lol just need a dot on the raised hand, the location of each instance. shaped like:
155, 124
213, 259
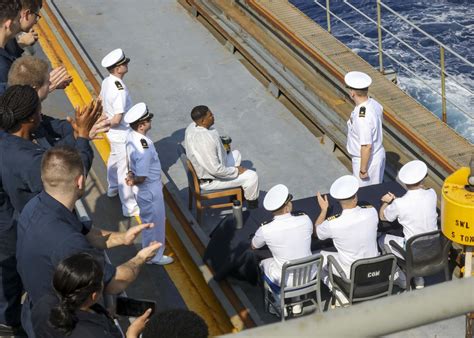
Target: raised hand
322, 201
132, 233
59, 78
101, 126
150, 251
85, 118
28, 39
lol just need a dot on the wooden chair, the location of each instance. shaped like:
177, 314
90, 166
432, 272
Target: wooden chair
205, 195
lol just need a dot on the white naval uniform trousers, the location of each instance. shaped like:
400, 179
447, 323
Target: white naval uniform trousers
144, 161
366, 128
116, 100
415, 211
210, 160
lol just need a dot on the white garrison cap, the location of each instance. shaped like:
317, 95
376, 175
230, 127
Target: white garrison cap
357, 80
138, 112
276, 197
413, 172
114, 58
344, 187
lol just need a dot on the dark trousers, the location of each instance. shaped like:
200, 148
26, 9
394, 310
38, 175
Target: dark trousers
10, 282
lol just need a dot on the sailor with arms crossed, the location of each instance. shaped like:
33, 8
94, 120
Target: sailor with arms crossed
364, 131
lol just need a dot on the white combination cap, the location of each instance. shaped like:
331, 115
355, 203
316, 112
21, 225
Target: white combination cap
357, 80
344, 187
276, 197
138, 112
413, 172
114, 58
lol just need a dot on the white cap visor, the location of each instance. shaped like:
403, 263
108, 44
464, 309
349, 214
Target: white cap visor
413, 172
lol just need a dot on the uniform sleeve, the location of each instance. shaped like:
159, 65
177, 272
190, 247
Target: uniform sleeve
391, 212
4, 68
86, 152
142, 158
258, 241
32, 176
323, 230
119, 102
205, 151
13, 48
364, 130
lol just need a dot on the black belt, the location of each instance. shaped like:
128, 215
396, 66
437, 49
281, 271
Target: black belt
205, 180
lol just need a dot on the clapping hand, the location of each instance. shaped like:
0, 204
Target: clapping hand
59, 78
102, 125
28, 39
322, 201
388, 197
150, 251
132, 233
85, 118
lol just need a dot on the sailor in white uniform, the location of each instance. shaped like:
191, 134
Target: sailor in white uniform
364, 134
288, 235
117, 101
215, 168
145, 178
415, 211
354, 231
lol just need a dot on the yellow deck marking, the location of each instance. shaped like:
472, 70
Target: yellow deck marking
185, 275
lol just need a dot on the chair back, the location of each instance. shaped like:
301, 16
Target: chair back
372, 277
193, 181
298, 276
427, 253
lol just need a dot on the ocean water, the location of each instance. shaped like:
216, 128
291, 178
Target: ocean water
449, 21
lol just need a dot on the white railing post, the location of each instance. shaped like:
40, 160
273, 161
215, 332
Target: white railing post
379, 32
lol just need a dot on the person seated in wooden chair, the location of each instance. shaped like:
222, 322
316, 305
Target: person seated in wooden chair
215, 168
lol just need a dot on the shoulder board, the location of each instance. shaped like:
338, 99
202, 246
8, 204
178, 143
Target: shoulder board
297, 213
362, 111
119, 85
144, 143
266, 222
333, 217
366, 206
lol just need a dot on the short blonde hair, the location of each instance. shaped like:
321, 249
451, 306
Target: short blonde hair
28, 70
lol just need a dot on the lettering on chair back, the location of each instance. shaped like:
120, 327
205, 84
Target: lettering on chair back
373, 274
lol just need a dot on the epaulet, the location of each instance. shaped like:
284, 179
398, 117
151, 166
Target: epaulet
366, 206
266, 222
362, 111
297, 213
333, 217
144, 143
119, 85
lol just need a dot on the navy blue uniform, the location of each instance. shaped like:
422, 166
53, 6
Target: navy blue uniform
47, 233
52, 132
6, 60
10, 287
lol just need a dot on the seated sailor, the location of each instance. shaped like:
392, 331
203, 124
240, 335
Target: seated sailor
215, 168
288, 235
415, 211
354, 231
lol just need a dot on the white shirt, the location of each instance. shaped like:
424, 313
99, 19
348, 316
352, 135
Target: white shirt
415, 211
207, 154
354, 233
288, 237
116, 100
363, 129
143, 158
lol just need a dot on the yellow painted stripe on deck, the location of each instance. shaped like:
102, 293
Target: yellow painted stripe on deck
196, 294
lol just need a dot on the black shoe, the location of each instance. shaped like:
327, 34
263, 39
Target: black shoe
253, 204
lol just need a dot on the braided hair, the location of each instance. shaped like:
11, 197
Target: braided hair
76, 278
17, 104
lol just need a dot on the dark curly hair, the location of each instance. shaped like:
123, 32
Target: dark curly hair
17, 104
9, 10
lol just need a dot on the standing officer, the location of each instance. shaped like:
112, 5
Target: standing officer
364, 135
354, 231
116, 102
145, 176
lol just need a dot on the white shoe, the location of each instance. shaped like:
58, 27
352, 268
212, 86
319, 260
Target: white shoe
419, 282
297, 309
112, 192
162, 261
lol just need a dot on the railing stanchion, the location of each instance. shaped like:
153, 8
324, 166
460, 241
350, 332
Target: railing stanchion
443, 83
379, 31
328, 16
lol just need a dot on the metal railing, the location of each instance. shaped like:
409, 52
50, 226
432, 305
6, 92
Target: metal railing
380, 29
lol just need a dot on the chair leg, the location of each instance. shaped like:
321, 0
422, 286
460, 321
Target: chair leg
190, 198
409, 278
199, 208
318, 299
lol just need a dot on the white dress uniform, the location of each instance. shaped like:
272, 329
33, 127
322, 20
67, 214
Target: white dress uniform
416, 210
365, 127
206, 152
116, 100
144, 161
288, 236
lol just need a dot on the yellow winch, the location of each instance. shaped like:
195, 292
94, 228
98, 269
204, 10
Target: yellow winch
457, 207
